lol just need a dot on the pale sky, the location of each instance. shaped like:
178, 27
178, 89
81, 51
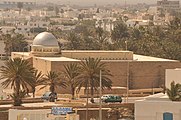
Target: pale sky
92, 2
102, 2
98, 2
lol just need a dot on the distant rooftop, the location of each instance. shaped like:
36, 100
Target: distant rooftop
57, 59
149, 58
136, 57
95, 51
155, 98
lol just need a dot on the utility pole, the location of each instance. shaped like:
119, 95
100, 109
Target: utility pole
100, 94
127, 82
126, 42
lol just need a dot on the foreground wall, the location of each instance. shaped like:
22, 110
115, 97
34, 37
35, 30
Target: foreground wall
154, 110
142, 74
172, 75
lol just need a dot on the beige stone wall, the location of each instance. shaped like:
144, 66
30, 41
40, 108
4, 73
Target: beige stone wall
105, 55
23, 55
142, 74
42, 65
59, 67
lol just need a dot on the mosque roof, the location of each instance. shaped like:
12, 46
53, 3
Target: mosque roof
45, 39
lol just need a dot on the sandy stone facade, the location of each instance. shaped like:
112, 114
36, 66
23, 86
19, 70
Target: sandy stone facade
139, 71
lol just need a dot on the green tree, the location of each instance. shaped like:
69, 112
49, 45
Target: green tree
53, 80
8, 41
102, 38
57, 10
71, 73
119, 32
14, 43
75, 41
90, 76
175, 23
18, 74
62, 12
20, 6
174, 93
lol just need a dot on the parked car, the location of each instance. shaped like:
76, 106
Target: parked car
111, 98
48, 95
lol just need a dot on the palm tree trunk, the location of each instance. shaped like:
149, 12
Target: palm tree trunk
73, 92
92, 91
17, 99
52, 97
92, 95
87, 91
33, 91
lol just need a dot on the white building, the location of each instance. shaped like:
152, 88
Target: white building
166, 5
157, 107
172, 75
2, 51
106, 24
137, 23
26, 28
40, 114
7, 29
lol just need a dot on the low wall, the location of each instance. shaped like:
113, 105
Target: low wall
81, 110
4, 115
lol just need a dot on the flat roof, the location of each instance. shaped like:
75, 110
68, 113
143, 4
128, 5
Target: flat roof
22, 53
97, 51
57, 59
137, 57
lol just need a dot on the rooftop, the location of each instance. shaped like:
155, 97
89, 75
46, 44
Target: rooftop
136, 57
97, 51
149, 58
57, 59
156, 97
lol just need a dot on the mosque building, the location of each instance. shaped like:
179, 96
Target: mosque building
139, 71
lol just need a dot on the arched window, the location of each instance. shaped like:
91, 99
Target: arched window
167, 116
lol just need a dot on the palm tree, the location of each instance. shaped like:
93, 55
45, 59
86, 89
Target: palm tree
120, 32
174, 93
38, 80
71, 73
18, 74
8, 41
102, 38
75, 41
14, 43
53, 80
90, 76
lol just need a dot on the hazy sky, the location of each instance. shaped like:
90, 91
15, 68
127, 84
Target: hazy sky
102, 2
92, 2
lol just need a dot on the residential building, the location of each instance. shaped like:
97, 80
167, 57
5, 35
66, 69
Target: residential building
165, 108
172, 75
31, 27
157, 107
168, 5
